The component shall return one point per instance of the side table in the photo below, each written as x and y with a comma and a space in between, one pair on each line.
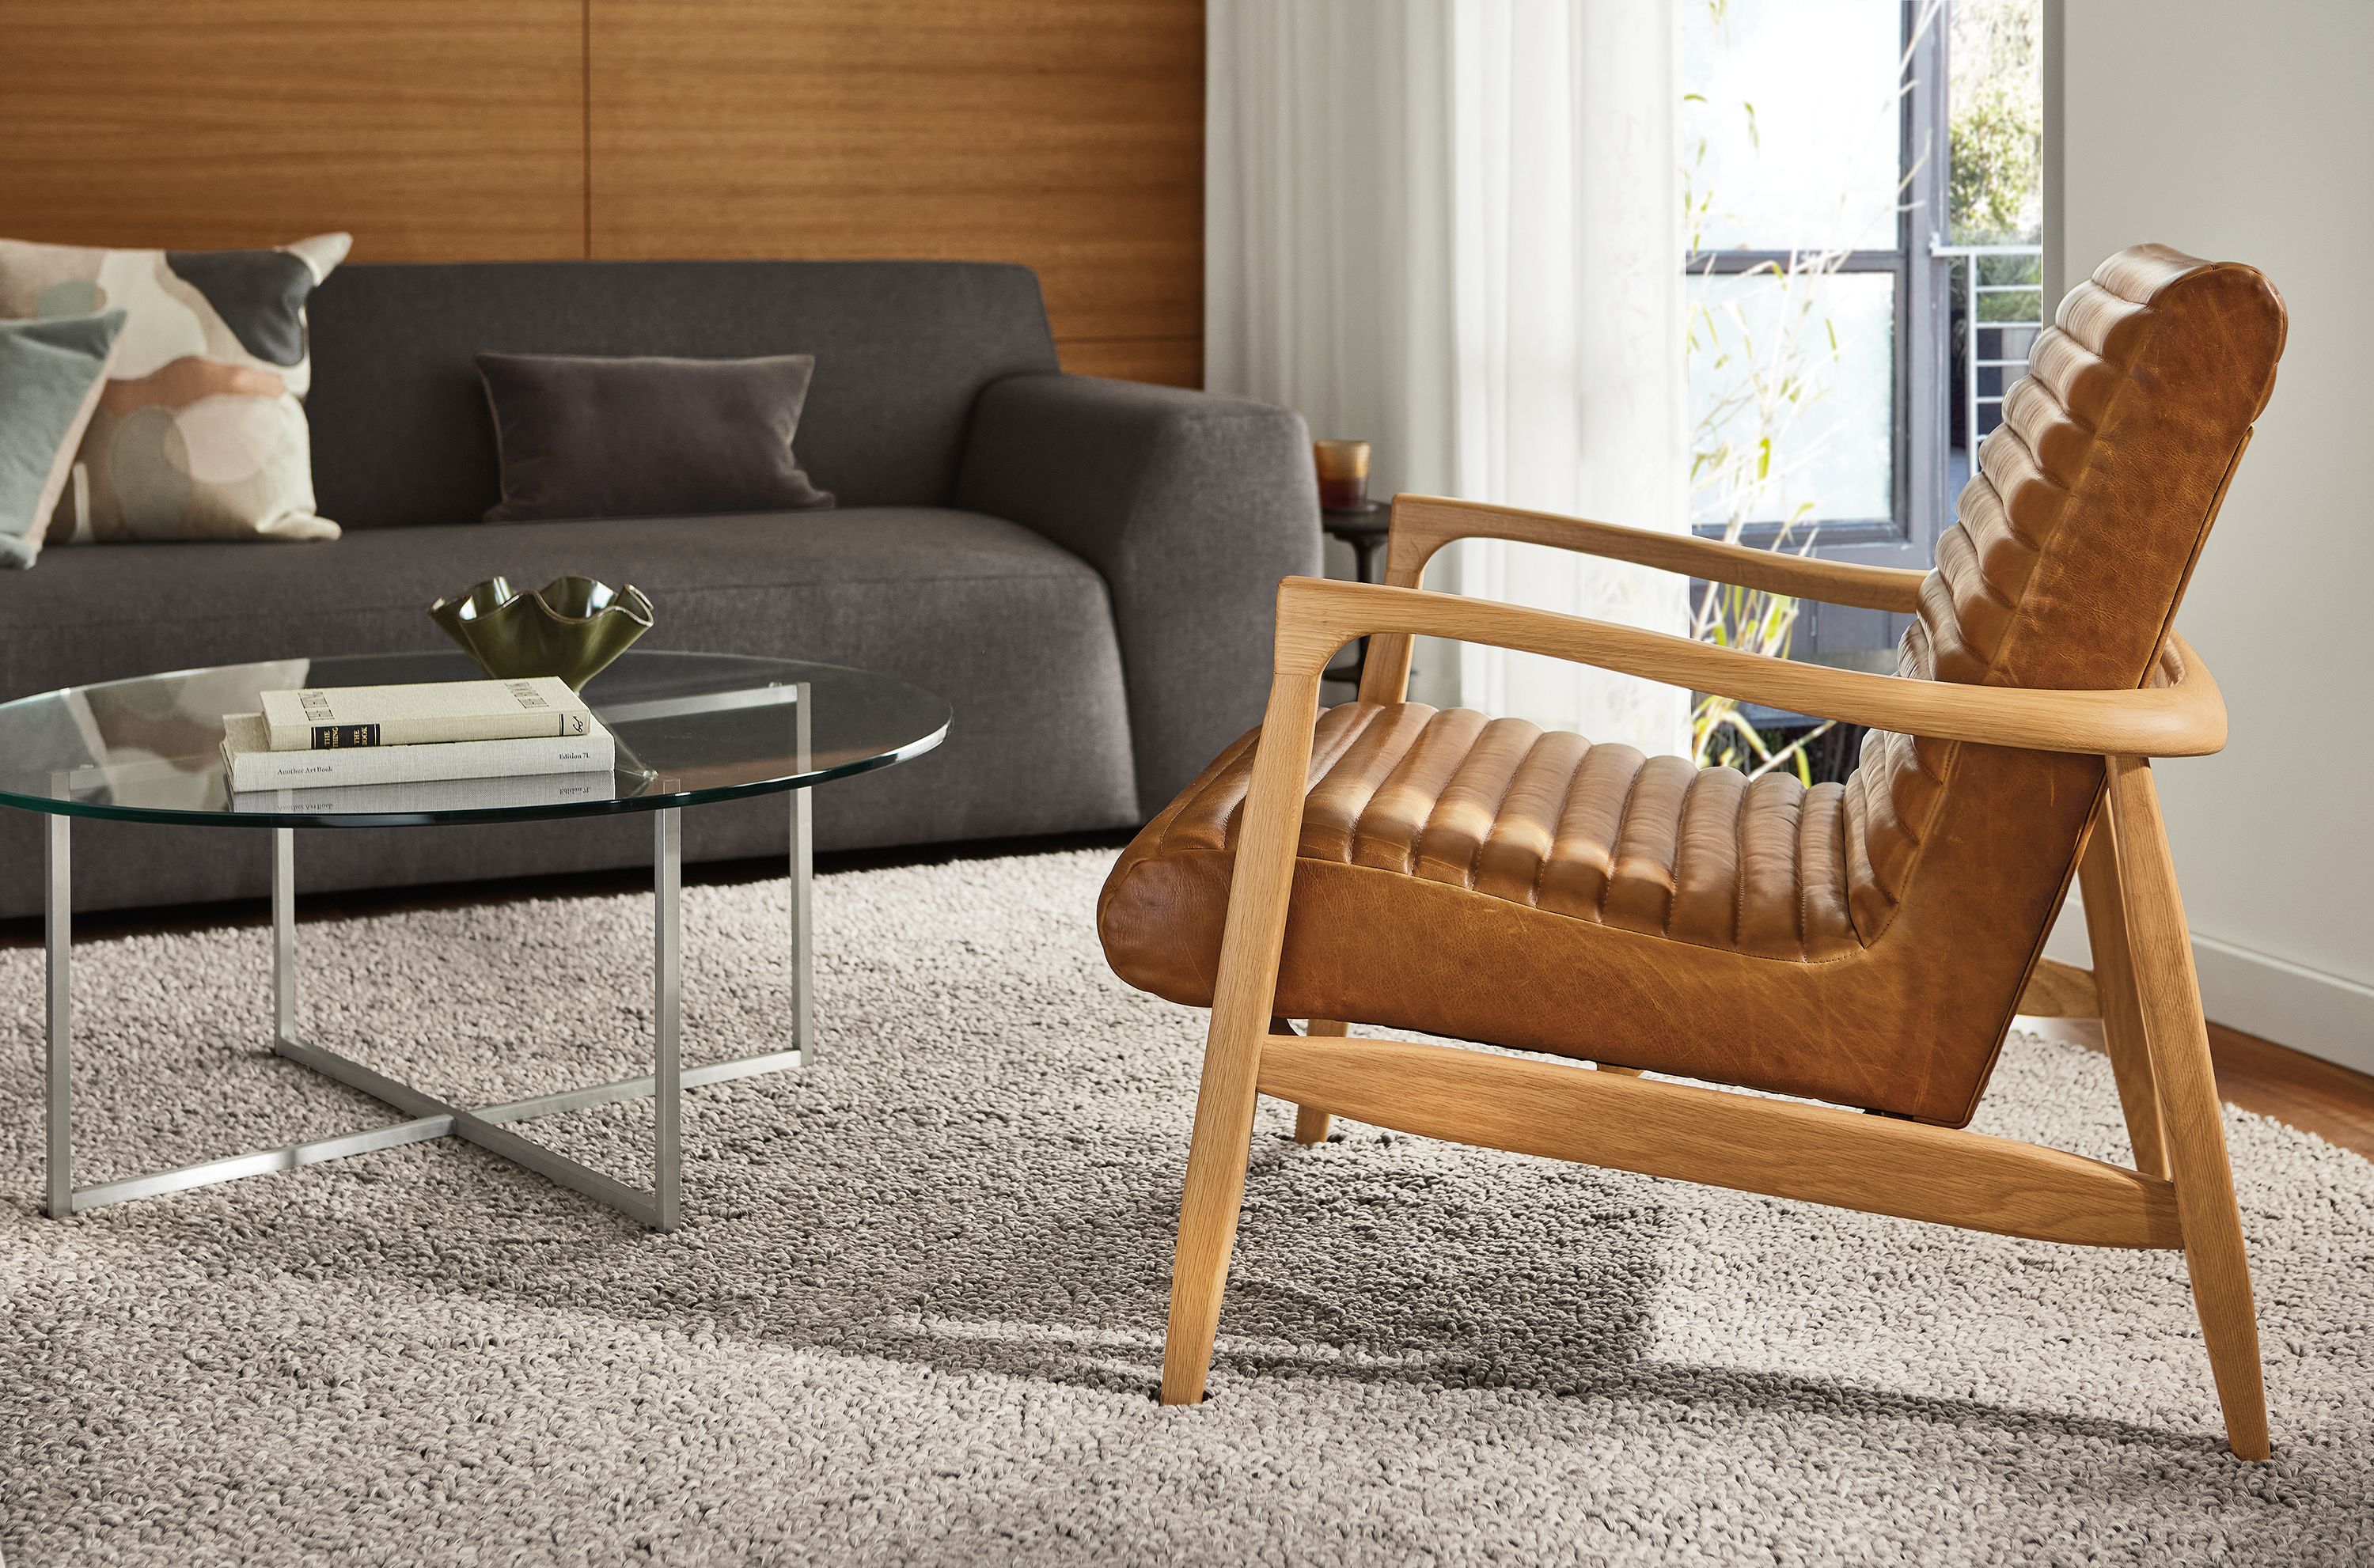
1366, 529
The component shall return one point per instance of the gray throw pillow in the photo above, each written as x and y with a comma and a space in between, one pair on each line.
587, 438
52, 373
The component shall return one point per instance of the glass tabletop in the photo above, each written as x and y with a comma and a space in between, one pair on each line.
690, 726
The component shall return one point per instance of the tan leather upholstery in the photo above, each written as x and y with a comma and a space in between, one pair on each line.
1866, 945
1550, 821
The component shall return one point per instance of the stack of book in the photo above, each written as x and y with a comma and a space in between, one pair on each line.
414, 735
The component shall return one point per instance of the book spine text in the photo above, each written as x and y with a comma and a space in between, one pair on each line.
431, 730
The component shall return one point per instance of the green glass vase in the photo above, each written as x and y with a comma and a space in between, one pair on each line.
572, 627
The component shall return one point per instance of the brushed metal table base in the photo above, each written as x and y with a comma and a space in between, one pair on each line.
486, 1126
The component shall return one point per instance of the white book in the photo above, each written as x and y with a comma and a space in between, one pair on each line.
425, 713
514, 792
252, 763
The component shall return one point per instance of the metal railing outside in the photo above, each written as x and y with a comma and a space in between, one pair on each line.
2014, 336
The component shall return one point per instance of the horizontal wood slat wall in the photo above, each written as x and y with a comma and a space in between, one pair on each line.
1176, 361
431, 129
1066, 134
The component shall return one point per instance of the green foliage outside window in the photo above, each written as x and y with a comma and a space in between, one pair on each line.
1994, 182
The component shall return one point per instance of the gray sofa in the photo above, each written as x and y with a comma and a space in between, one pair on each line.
1083, 568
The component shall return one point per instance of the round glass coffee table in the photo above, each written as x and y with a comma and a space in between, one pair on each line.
691, 728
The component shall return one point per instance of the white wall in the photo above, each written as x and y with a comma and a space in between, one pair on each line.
2239, 132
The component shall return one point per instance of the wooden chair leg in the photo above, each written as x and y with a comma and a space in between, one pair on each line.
1247, 983
2160, 951
2122, 1007
1312, 1124
1216, 1156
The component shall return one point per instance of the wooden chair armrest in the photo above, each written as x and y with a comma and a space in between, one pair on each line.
1424, 524
2184, 717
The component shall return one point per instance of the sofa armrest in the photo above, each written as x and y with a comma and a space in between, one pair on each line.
1192, 507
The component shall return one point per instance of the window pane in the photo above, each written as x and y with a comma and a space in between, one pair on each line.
1793, 138
1793, 397
1997, 102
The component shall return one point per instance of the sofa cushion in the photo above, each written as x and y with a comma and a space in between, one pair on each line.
401, 436
647, 435
1015, 632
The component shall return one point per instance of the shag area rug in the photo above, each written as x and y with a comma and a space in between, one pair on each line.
914, 1314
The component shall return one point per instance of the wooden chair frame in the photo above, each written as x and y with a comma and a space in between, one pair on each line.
2181, 1193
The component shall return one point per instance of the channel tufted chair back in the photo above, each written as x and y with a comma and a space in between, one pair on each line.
2077, 537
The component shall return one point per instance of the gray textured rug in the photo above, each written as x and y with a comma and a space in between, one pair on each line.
914, 1314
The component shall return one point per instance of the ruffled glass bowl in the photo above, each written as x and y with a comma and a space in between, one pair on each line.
572, 627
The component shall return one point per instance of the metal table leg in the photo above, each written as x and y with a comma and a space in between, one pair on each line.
803, 879
284, 934
57, 940
667, 1006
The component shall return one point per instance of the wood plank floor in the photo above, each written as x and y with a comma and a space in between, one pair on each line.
2315, 1096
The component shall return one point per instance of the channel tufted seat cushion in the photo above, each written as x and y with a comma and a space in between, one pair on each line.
1548, 821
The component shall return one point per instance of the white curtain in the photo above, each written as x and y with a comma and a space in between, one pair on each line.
1454, 227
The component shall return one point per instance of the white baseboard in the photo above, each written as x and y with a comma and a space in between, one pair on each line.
2325, 1015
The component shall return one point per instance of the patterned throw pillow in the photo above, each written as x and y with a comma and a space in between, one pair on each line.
200, 433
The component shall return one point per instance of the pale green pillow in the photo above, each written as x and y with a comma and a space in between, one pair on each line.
50, 375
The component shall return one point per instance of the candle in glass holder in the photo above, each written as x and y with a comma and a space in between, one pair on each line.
1343, 475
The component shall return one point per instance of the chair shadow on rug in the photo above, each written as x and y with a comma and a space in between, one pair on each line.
1534, 1279
1389, 865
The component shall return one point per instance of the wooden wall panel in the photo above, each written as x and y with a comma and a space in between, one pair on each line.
431, 129
1066, 134
1174, 361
